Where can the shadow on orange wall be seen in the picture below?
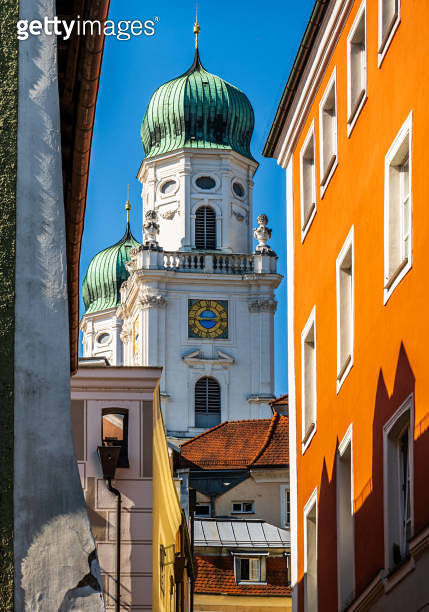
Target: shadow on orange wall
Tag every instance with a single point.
(368, 503)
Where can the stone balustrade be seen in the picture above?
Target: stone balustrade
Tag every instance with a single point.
(202, 262)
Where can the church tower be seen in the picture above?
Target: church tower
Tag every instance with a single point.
(197, 301)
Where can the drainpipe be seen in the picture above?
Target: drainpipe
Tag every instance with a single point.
(118, 544)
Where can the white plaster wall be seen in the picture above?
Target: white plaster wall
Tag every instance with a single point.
(250, 342)
(93, 325)
(53, 542)
(135, 488)
(266, 498)
(176, 211)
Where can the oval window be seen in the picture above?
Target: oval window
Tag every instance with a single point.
(238, 189)
(205, 182)
(103, 338)
(168, 187)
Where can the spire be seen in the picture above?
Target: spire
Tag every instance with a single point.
(197, 28)
(128, 208)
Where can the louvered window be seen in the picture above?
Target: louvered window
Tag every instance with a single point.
(205, 228)
(207, 402)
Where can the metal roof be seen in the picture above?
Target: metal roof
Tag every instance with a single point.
(198, 110)
(239, 533)
(106, 273)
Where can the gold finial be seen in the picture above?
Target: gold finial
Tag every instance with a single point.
(127, 204)
(197, 28)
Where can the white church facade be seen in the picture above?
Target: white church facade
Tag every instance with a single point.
(193, 298)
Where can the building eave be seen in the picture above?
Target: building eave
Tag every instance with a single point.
(79, 61)
(295, 76)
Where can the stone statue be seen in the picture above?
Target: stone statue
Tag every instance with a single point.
(151, 229)
(262, 234)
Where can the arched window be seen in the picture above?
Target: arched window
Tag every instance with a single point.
(205, 228)
(207, 402)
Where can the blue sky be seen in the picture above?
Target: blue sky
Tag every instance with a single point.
(248, 43)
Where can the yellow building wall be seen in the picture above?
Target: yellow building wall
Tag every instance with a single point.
(242, 603)
(167, 517)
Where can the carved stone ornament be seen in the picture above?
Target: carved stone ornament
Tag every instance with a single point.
(150, 229)
(148, 301)
(263, 306)
(170, 214)
(238, 215)
(125, 335)
(262, 234)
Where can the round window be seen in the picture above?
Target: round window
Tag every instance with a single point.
(168, 187)
(205, 182)
(238, 189)
(103, 338)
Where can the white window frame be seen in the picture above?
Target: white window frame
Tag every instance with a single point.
(388, 447)
(252, 511)
(344, 367)
(284, 500)
(311, 503)
(354, 108)
(308, 432)
(260, 556)
(384, 41)
(327, 170)
(345, 444)
(392, 280)
(308, 216)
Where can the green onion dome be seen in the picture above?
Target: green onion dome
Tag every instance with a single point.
(106, 273)
(198, 110)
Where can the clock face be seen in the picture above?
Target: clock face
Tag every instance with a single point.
(208, 319)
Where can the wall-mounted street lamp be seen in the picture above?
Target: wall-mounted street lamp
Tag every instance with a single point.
(109, 457)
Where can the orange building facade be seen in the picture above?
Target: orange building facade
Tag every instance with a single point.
(351, 132)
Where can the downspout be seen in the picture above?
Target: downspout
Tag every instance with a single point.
(118, 544)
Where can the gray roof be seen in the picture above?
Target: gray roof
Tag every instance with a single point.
(239, 533)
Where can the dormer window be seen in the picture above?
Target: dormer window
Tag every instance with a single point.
(250, 569)
(114, 432)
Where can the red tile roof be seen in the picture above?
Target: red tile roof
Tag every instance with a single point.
(275, 450)
(239, 445)
(215, 574)
(282, 400)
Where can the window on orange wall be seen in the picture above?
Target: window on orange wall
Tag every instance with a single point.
(356, 67)
(345, 309)
(345, 523)
(308, 181)
(398, 479)
(308, 374)
(388, 21)
(310, 554)
(397, 209)
(328, 133)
